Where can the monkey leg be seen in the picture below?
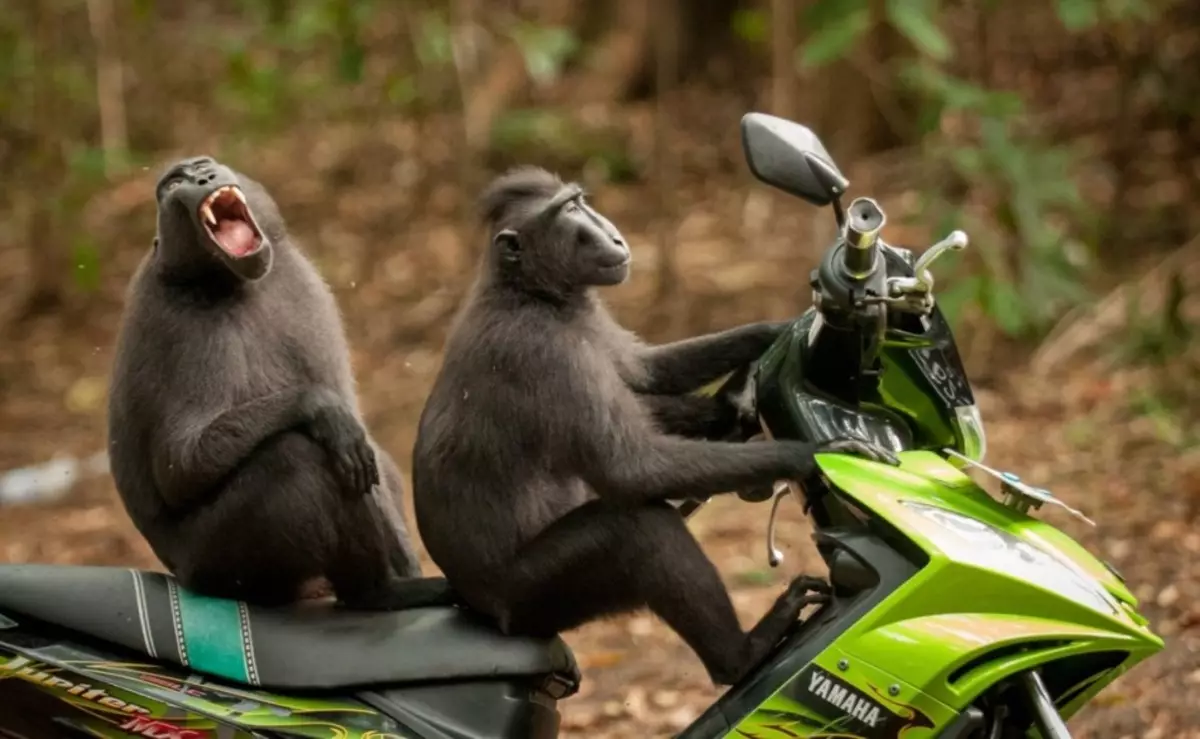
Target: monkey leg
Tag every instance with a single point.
(381, 536)
(600, 560)
(266, 531)
(282, 520)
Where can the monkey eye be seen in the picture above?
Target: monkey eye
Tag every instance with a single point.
(172, 184)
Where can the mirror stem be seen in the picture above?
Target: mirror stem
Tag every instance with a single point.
(839, 213)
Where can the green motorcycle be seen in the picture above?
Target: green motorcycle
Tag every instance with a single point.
(953, 614)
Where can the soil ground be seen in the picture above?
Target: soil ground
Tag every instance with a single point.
(1073, 432)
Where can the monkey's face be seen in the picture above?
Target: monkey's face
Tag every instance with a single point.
(563, 244)
(601, 257)
(203, 207)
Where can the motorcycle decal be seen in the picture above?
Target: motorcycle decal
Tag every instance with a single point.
(197, 703)
(817, 704)
(49, 696)
(169, 705)
(85, 693)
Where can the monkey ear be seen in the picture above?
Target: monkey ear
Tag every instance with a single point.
(509, 245)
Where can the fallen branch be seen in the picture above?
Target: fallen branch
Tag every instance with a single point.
(1088, 325)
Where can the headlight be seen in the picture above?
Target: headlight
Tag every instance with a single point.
(988, 547)
(969, 425)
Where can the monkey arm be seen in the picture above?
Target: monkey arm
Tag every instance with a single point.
(623, 458)
(196, 452)
(664, 467)
(684, 366)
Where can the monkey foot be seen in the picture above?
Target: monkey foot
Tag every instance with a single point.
(809, 583)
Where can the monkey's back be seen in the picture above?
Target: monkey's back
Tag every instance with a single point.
(495, 441)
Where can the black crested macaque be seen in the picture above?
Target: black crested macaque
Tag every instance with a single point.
(553, 440)
(235, 437)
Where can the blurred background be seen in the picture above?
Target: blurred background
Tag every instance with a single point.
(1062, 135)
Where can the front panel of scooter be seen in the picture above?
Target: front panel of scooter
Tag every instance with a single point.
(953, 615)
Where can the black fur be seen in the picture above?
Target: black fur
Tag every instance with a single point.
(553, 438)
(235, 436)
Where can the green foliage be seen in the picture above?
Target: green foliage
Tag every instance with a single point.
(1030, 255)
(85, 256)
(917, 21)
(546, 49)
(835, 26)
(1032, 267)
(1155, 337)
(751, 25)
(555, 140)
(1163, 412)
(1081, 15)
(435, 40)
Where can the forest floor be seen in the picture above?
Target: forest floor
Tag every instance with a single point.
(1078, 431)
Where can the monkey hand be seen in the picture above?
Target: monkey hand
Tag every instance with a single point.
(872, 452)
(334, 427)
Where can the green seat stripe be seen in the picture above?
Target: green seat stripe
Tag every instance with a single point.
(212, 635)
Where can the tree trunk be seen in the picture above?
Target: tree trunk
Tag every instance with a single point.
(507, 74)
(854, 104)
(47, 256)
(110, 86)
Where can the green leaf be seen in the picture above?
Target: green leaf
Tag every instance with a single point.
(352, 55)
(917, 21)
(143, 9)
(87, 163)
(750, 26)
(546, 49)
(957, 94)
(1077, 15)
(832, 41)
(755, 578)
(308, 23)
(958, 295)
(1003, 303)
(352, 59)
(85, 255)
(402, 90)
(434, 45)
(823, 13)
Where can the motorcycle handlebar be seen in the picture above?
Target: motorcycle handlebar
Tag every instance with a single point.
(864, 221)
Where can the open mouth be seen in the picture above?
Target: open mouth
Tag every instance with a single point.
(229, 224)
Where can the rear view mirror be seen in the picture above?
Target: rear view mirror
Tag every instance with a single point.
(790, 157)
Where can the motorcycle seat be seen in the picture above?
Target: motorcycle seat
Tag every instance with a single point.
(299, 647)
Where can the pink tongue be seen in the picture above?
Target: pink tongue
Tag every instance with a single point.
(235, 237)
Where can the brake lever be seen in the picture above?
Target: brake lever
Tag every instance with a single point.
(915, 294)
(774, 555)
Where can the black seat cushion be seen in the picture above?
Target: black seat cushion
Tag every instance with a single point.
(298, 647)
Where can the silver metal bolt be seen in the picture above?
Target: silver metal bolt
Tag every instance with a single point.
(893, 690)
(843, 664)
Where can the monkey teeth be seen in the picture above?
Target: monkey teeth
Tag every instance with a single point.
(226, 217)
(206, 206)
